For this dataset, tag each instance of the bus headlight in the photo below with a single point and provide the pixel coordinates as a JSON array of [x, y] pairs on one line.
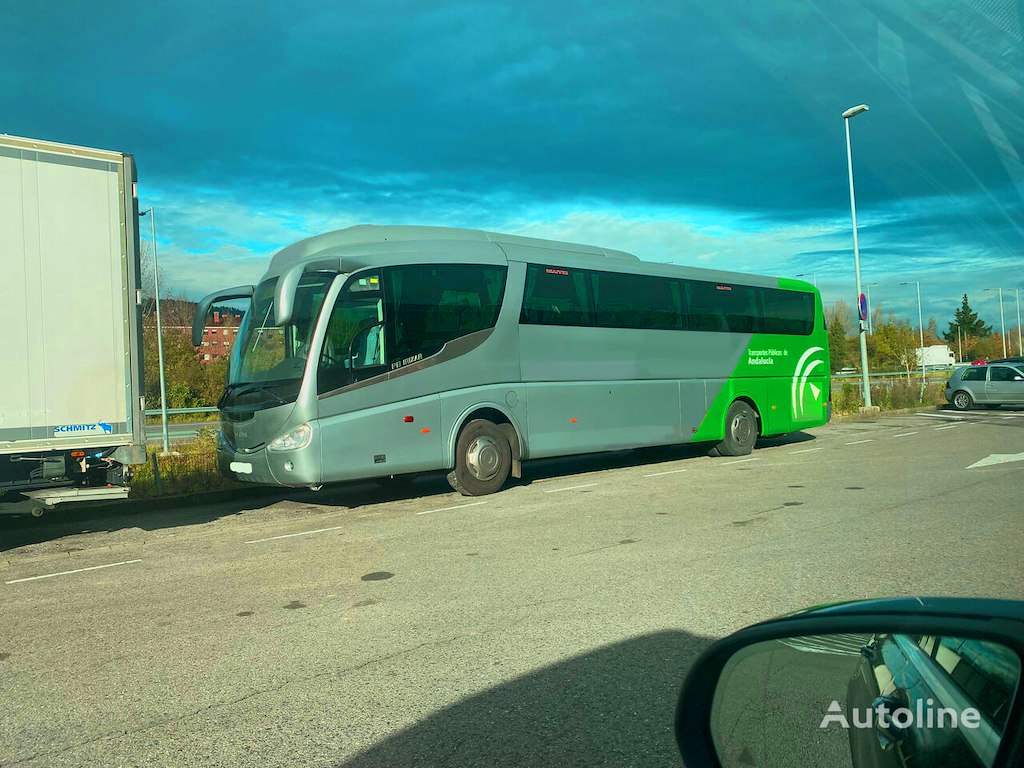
[[297, 438]]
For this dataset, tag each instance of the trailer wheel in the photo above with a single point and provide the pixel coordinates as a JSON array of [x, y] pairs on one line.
[[483, 459]]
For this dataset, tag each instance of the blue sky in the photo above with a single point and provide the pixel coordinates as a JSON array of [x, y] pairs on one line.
[[701, 133]]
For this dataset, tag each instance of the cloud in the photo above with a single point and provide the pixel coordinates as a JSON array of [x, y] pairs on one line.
[[708, 128]]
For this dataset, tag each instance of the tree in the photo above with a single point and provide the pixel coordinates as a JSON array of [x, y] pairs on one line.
[[838, 319], [892, 346], [968, 323], [931, 332]]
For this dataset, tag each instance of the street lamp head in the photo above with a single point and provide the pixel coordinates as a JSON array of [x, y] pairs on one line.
[[854, 111]]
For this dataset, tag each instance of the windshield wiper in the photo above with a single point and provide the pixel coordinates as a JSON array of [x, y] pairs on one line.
[[249, 386]]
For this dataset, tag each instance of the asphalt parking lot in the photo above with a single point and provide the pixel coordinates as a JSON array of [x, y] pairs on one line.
[[549, 624]]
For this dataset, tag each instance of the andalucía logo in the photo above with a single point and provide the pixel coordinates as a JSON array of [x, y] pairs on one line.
[[807, 363]]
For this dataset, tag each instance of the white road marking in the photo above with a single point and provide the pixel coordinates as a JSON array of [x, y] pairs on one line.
[[570, 488], [905, 434], [995, 458], [369, 514], [291, 535], [858, 442], [446, 509], [950, 426], [669, 472], [1006, 417], [807, 450], [77, 570], [942, 416], [740, 461]]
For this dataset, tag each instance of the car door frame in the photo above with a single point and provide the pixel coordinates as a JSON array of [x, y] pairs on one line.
[[1005, 393]]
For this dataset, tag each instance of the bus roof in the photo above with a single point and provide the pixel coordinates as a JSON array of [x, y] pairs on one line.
[[360, 246]]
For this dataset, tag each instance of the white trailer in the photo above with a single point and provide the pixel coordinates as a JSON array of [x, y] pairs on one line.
[[71, 387], [935, 356]]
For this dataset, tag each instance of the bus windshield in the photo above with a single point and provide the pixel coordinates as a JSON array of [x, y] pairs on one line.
[[273, 357]]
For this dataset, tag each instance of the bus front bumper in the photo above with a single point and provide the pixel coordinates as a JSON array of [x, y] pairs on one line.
[[295, 469]]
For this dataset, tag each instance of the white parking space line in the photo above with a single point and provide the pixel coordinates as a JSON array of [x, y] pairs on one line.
[[806, 450], [740, 461], [950, 426], [570, 488], [858, 442], [447, 509], [669, 472], [292, 535], [77, 570], [905, 434], [942, 416]]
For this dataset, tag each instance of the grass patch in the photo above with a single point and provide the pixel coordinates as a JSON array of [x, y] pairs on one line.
[[190, 468]]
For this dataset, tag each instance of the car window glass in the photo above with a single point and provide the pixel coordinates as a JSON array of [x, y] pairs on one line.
[[1001, 373], [973, 374]]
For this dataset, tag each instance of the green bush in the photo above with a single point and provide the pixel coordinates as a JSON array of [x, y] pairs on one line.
[[848, 399]]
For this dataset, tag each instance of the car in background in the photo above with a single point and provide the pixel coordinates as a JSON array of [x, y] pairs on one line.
[[978, 362], [1018, 360], [990, 385]]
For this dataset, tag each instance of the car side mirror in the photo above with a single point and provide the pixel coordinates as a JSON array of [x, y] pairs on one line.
[[935, 679]]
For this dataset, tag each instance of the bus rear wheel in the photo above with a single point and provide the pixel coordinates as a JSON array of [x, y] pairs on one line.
[[740, 431], [483, 459]]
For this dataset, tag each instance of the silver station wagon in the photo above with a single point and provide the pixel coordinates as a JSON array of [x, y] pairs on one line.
[[987, 385]]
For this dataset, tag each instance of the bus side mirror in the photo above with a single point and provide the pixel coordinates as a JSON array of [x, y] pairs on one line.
[[203, 308], [288, 283]]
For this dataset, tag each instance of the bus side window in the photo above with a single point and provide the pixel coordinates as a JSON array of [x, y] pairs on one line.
[[622, 300], [790, 312], [432, 304], [555, 296], [705, 310]]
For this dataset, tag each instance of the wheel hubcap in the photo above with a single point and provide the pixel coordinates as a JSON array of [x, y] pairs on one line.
[[742, 429], [961, 400], [483, 458]]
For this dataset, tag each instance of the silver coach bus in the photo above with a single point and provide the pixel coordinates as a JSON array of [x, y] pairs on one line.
[[377, 352]]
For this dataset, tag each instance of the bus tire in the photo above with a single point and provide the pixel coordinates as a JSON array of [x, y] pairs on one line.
[[740, 431], [483, 459]]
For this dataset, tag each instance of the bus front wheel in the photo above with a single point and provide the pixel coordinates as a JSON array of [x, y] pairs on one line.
[[483, 459], [740, 431]]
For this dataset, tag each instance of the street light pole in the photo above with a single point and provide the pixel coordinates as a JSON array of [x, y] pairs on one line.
[[1002, 318], [847, 115], [871, 307], [920, 329], [151, 212], [1020, 347]]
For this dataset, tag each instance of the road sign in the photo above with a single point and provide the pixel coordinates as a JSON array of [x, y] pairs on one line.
[[863, 304]]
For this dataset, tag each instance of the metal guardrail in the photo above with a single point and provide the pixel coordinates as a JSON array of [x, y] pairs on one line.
[[892, 374], [177, 411]]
